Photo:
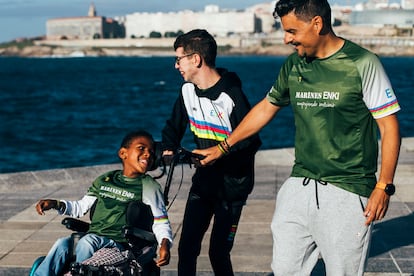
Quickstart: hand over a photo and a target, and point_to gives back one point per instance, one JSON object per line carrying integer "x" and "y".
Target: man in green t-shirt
{"x": 340, "y": 96}
{"x": 112, "y": 192}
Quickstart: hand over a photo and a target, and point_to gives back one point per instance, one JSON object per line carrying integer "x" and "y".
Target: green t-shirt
{"x": 114, "y": 192}
{"x": 335, "y": 103}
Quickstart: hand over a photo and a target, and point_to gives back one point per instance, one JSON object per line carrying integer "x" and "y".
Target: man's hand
{"x": 45, "y": 204}
{"x": 168, "y": 156}
{"x": 164, "y": 253}
{"x": 377, "y": 206}
{"x": 211, "y": 155}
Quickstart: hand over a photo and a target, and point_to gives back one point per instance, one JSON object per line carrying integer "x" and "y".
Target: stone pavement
{"x": 24, "y": 235}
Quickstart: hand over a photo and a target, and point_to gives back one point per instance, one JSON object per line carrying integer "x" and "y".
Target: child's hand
{"x": 44, "y": 205}
{"x": 164, "y": 253}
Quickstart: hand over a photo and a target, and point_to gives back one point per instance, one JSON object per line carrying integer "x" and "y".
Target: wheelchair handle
{"x": 181, "y": 156}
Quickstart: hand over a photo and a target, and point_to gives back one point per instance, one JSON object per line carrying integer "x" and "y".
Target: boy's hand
{"x": 44, "y": 205}
{"x": 164, "y": 253}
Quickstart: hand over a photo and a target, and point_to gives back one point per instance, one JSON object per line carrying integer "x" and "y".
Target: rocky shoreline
{"x": 271, "y": 50}
{"x": 57, "y": 51}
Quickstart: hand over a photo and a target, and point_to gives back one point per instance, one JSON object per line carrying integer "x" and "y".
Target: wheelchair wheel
{"x": 36, "y": 264}
{"x": 151, "y": 269}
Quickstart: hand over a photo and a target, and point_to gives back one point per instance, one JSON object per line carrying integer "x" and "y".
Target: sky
{"x": 27, "y": 18}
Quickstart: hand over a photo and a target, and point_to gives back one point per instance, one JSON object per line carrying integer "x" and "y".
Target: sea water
{"x": 70, "y": 112}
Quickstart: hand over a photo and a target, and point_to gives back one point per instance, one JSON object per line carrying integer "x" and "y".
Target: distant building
{"x": 218, "y": 23}
{"x": 264, "y": 21}
{"x": 383, "y": 17}
{"x": 407, "y": 4}
{"x": 84, "y": 27}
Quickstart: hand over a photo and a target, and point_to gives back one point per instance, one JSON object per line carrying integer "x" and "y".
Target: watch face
{"x": 390, "y": 189}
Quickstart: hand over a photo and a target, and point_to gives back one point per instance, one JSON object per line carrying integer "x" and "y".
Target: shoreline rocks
{"x": 271, "y": 50}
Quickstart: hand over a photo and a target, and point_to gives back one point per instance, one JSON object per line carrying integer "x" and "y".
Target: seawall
{"x": 381, "y": 45}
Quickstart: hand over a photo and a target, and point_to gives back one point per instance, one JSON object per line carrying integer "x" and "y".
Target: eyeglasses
{"x": 177, "y": 59}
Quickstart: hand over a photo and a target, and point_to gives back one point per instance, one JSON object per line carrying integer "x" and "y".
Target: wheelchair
{"x": 141, "y": 241}
{"x": 141, "y": 244}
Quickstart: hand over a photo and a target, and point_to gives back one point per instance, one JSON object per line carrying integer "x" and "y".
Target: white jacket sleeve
{"x": 78, "y": 208}
{"x": 153, "y": 197}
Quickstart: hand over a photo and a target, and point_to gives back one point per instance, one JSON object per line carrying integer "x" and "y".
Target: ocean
{"x": 72, "y": 112}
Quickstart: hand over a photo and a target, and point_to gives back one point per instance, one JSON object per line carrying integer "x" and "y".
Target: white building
{"x": 407, "y": 4}
{"x": 84, "y": 27}
{"x": 381, "y": 18}
{"x": 217, "y": 23}
{"x": 264, "y": 16}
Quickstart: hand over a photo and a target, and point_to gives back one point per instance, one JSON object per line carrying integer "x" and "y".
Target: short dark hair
{"x": 129, "y": 138}
{"x": 305, "y": 10}
{"x": 201, "y": 42}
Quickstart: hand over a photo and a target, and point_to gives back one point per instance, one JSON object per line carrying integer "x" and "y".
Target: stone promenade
{"x": 24, "y": 235}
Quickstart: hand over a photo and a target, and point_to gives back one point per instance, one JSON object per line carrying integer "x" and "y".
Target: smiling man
{"x": 340, "y": 96}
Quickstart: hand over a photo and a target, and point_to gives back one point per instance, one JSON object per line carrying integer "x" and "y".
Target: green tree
{"x": 155, "y": 34}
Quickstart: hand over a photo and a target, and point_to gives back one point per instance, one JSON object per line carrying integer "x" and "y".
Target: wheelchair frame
{"x": 181, "y": 156}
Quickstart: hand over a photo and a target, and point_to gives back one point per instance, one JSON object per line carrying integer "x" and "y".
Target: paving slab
{"x": 24, "y": 235}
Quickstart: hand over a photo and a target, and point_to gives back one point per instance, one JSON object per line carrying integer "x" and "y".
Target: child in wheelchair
{"x": 110, "y": 196}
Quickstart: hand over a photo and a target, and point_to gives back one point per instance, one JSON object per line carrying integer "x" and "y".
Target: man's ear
{"x": 319, "y": 26}
{"x": 198, "y": 60}
{"x": 122, "y": 153}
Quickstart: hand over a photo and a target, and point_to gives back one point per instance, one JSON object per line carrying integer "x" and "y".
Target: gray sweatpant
{"x": 319, "y": 220}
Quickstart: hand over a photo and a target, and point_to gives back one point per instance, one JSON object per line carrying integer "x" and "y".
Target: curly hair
{"x": 126, "y": 142}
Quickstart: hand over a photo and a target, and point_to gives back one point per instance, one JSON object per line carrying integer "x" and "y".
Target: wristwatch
{"x": 389, "y": 188}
